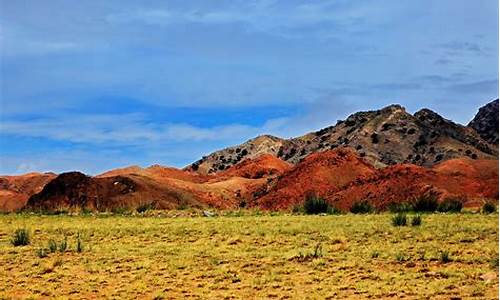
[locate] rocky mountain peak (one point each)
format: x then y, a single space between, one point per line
383 137
486 122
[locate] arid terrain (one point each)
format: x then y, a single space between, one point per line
252 256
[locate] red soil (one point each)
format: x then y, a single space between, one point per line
263 166
467 179
321 173
15 190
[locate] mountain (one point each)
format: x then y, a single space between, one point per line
15 190
383 137
382 156
486 122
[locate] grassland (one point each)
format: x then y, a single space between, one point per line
283 256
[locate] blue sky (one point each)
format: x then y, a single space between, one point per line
95 85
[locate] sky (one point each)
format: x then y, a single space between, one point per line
96 85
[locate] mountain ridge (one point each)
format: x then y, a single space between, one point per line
384 137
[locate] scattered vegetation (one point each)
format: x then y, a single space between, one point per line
425 203
21 237
362 207
307 256
228 252
399 219
450 205
489 208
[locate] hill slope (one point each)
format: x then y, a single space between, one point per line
15 190
486 122
383 137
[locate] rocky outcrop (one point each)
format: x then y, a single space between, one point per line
486 122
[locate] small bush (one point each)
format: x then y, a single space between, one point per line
489 208
63 245
375 254
445 257
400 257
41 252
425 203
145 207
399 219
333 211
400 207
317 253
361 207
79 243
21 237
450 205
316 205
416 220
52 246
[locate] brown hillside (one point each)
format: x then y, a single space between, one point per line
321 173
15 190
262 166
471 180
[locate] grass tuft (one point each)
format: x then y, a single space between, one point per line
79 243
416 220
362 207
52 245
21 237
314 205
450 205
425 203
444 257
489 208
63 245
399 219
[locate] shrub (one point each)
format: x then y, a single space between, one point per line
317 253
400 207
316 205
425 203
416 220
489 208
445 257
333 210
41 252
21 237
52 246
145 207
400 257
450 205
361 207
63 245
79 243
399 219
375 254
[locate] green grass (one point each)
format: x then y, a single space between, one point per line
252 256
